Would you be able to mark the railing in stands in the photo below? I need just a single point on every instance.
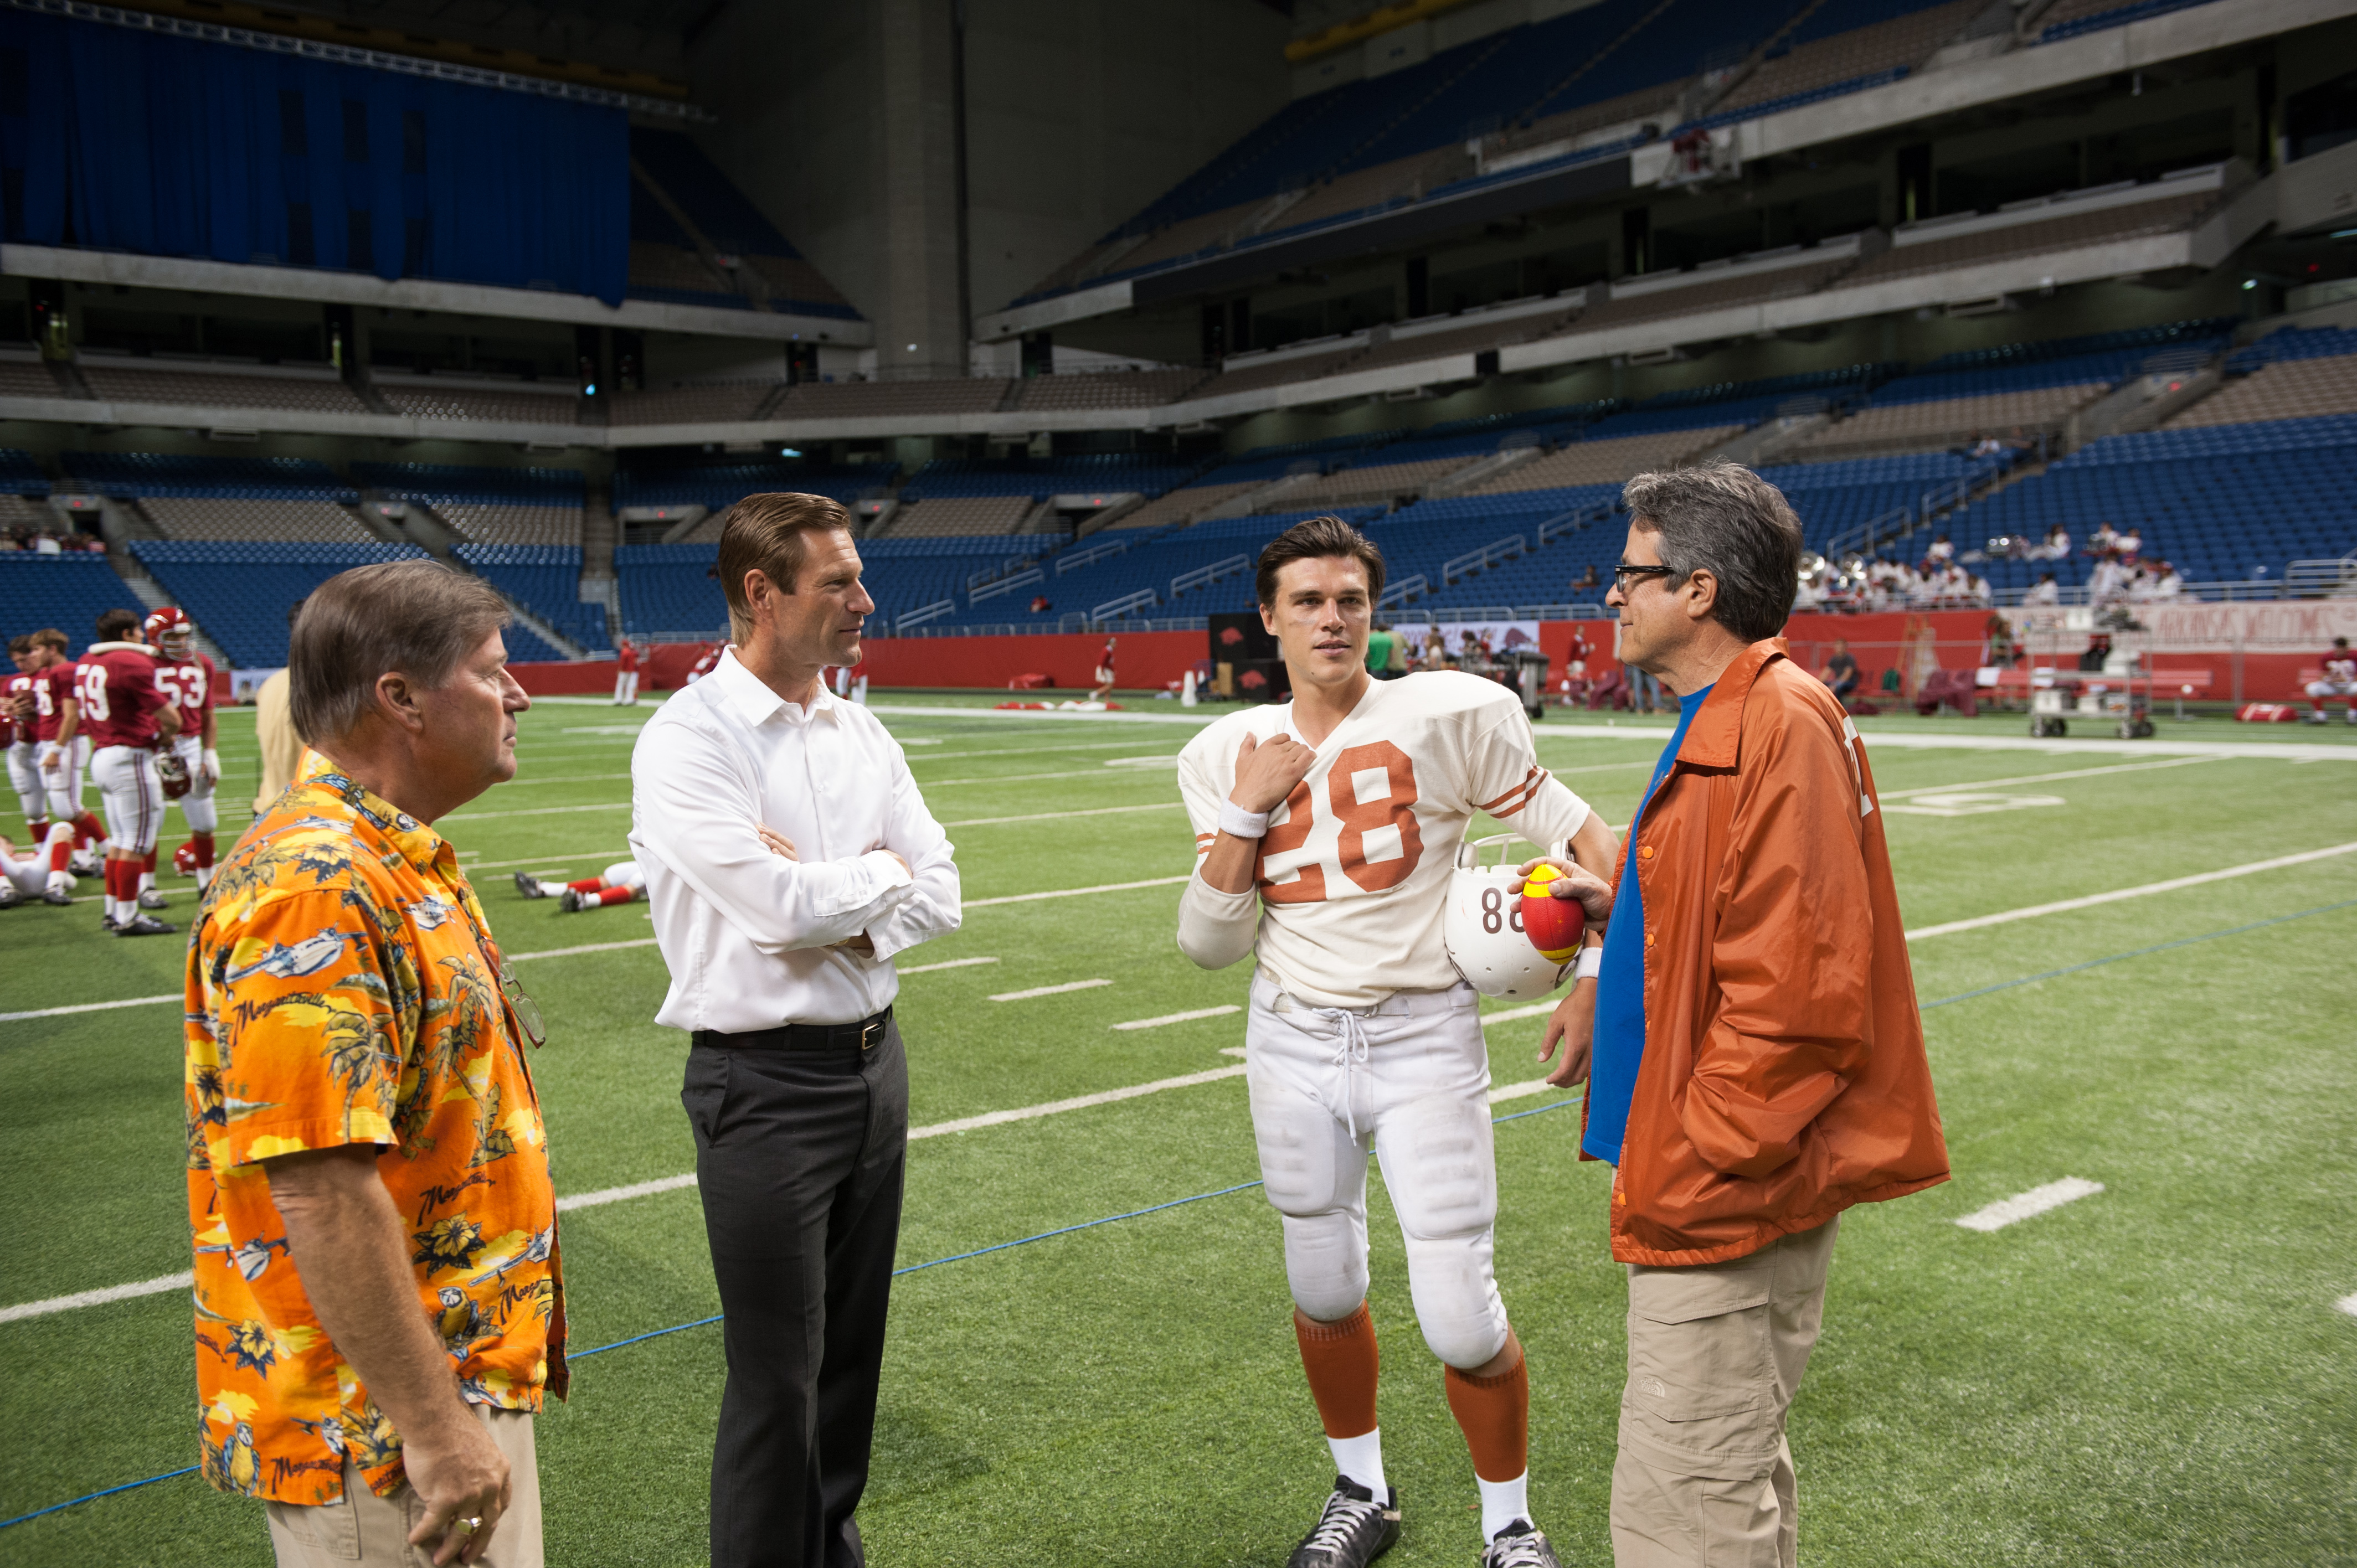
(1072, 560)
(2320, 579)
(1005, 586)
(1142, 599)
(1008, 567)
(1489, 555)
(1862, 539)
(1572, 522)
(1407, 588)
(924, 613)
(1204, 576)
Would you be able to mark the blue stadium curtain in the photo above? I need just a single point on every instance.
(123, 140)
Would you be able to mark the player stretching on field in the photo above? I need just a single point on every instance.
(622, 882)
(186, 677)
(45, 681)
(117, 702)
(1326, 832)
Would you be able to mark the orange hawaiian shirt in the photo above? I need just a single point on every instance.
(343, 988)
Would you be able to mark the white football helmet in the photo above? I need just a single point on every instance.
(1484, 926)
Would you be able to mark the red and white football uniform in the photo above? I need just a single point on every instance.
(2339, 680)
(1362, 1033)
(118, 696)
(626, 673)
(706, 664)
(64, 779)
(187, 685)
(24, 747)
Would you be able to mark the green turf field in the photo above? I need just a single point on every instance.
(2159, 1373)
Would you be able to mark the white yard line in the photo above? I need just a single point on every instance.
(1127, 716)
(185, 1280)
(551, 858)
(2044, 777)
(2347, 1304)
(945, 963)
(88, 1008)
(1078, 892)
(533, 812)
(585, 946)
(1912, 740)
(1050, 990)
(1079, 1103)
(2036, 1200)
(606, 1195)
(1066, 816)
(2091, 900)
(1187, 1018)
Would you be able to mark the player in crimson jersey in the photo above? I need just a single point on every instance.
(2339, 680)
(1326, 839)
(47, 773)
(186, 677)
(708, 664)
(626, 674)
(118, 702)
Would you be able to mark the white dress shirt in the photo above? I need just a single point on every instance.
(747, 934)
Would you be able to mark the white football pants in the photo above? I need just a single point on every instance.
(197, 805)
(626, 686)
(624, 873)
(31, 876)
(133, 797)
(65, 785)
(1409, 1078)
(25, 777)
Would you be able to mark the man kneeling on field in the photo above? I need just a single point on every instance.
(1326, 837)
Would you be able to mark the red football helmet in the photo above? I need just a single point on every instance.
(184, 859)
(169, 630)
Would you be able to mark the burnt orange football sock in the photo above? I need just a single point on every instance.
(1342, 1363)
(1495, 1415)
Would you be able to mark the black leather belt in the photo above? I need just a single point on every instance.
(863, 1037)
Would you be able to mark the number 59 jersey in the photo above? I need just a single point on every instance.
(1353, 877)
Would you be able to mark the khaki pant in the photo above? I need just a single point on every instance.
(1715, 1353)
(368, 1529)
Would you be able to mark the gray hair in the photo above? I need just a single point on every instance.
(1723, 519)
(419, 617)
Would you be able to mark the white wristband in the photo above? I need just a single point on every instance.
(1589, 965)
(1237, 822)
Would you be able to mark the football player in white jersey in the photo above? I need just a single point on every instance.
(1326, 835)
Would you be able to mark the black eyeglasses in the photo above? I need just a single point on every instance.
(1623, 571)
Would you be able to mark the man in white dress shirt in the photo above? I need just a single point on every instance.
(789, 858)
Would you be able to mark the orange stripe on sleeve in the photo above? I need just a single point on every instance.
(1530, 782)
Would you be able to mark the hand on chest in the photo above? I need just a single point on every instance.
(1351, 827)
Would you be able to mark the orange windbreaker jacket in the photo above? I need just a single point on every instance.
(1783, 1076)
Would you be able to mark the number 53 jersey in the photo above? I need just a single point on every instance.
(1352, 879)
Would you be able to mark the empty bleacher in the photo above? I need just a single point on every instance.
(487, 505)
(211, 385)
(1148, 474)
(1842, 45)
(2025, 230)
(193, 517)
(67, 591)
(442, 397)
(228, 478)
(2297, 380)
(670, 590)
(239, 591)
(2189, 492)
(666, 262)
(692, 403)
(545, 579)
(1107, 390)
(2069, 18)
(719, 486)
(957, 516)
(892, 400)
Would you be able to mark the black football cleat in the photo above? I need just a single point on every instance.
(528, 886)
(145, 925)
(1521, 1544)
(56, 895)
(152, 900)
(569, 901)
(1354, 1529)
(9, 897)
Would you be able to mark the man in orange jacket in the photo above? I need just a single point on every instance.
(1755, 1057)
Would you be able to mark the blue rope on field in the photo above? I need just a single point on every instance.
(1243, 1187)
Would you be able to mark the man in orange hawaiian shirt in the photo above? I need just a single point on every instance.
(379, 1304)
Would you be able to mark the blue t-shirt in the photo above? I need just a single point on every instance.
(1620, 1036)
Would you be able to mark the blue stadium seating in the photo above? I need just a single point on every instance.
(431, 482)
(1040, 477)
(546, 580)
(239, 593)
(2118, 18)
(67, 591)
(19, 475)
(2222, 503)
(719, 486)
(670, 590)
(714, 204)
(233, 478)
(1831, 497)
(2292, 343)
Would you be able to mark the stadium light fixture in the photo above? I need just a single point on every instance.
(787, 452)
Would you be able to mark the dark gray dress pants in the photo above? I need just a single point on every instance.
(798, 1156)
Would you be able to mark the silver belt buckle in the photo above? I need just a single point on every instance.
(872, 1034)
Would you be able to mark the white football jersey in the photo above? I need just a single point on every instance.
(1354, 873)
